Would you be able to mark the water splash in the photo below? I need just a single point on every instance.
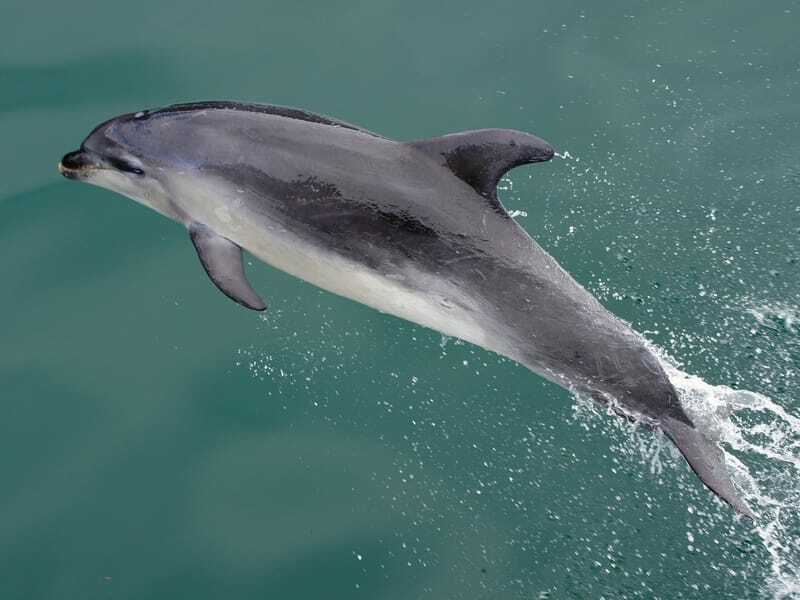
(776, 317)
(761, 440)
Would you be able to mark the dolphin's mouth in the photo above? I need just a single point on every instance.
(75, 164)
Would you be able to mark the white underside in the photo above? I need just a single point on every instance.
(411, 294)
(438, 309)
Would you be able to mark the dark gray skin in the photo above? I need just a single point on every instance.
(414, 229)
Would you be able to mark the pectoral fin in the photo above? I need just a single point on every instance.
(222, 260)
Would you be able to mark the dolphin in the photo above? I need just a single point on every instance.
(414, 229)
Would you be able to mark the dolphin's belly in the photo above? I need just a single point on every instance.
(377, 274)
(408, 291)
(413, 295)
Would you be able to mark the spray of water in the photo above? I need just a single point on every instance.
(762, 445)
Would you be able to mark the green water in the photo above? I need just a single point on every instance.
(158, 441)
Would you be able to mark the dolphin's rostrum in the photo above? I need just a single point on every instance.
(414, 229)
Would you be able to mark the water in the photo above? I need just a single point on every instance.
(161, 442)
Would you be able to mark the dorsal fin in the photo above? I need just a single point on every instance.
(483, 156)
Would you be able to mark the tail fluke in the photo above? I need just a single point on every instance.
(707, 460)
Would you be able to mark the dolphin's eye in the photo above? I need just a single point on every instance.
(122, 165)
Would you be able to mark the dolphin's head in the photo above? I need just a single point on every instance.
(104, 150)
(121, 155)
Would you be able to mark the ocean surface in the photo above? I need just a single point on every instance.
(160, 442)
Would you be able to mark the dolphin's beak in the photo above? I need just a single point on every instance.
(76, 163)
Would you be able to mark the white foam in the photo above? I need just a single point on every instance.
(770, 315)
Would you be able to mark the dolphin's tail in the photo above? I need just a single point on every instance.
(707, 460)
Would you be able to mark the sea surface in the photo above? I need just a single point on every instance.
(160, 442)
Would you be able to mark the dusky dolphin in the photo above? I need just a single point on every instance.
(414, 229)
